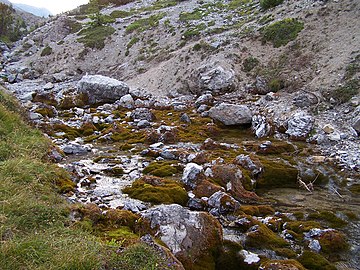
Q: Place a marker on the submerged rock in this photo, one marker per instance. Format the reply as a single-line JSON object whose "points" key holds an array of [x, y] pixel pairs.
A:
{"points": [[101, 89], [230, 114]]}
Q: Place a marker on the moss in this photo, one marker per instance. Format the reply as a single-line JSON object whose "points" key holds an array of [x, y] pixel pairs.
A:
{"points": [[263, 237], [277, 174], [194, 31], [123, 233], [328, 217], [257, 210], [121, 14], [229, 258], [266, 4], [355, 188], [333, 242], [115, 171], [46, 51], [127, 135], [314, 261], [282, 32], [282, 264], [298, 215], [69, 102], [161, 169], [276, 84], [157, 191], [300, 227], [95, 37], [345, 93], [197, 14], [285, 252], [45, 111]]}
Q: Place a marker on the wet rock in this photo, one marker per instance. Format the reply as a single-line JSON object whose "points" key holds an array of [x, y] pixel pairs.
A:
{"points": [[101, 89], [217, 80], [260, 126], [142, 114], [223, 203], [74, 148], [127, 102], [230, 114], [299, 125], [192, 174], [191, 236]]}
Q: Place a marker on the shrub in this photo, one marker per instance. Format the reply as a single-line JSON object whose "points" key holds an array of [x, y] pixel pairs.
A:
{"points": [[46, 51], [282, 32], [266, 4], [250, 63], [95, 37], [145, 23], [346, 92]]}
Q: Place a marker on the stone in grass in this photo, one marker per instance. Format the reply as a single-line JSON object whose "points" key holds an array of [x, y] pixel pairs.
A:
{"points": [[231, 114], [192, 174]]}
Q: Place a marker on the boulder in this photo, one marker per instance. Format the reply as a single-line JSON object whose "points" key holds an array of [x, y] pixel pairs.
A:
{"points": [[222, 203], [260, 126], [356, 125], [247, 163], [127, 102], [299, 125], [214, 79], [75, 149], [193, 237], [192, 174], [142, 114], [231, 114], [101, 89], [261, 86]]}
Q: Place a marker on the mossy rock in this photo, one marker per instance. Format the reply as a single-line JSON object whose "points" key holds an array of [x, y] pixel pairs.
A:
{"points": [[161, 169], [300, 227], [277, 174], [257, 210], [286, 252], [282, 265], [355, 189], [263, 237], [114, 171], [314, 261], [157, 191], [328, 217], [46, 51], [333, 242]]}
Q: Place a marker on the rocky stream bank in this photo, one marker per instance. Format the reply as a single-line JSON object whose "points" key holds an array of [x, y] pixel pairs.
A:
{"points": [[224, 181]]}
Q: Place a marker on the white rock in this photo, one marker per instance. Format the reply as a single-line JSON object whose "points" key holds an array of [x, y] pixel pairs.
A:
{"points": [[191, 174]]}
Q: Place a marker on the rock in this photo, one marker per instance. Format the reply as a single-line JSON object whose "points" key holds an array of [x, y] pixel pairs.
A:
{"points": [[193, 237], [246, 162], [356, 125], [299, 125], [48, 86], [192, 174], [304, 100], [143, 124], [249, 257], [185, 118], [101, 89], [202, 108], [260, 126], [11, 78], [35, 116], [206, 99], [223, 203], [217, 80], [75, 149], [142, 114], [127, 102], [328, 129], [230, 114], [314, 245], [261, 86]]}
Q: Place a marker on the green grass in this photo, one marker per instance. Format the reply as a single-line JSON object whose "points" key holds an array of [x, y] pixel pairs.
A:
{"points": [[282, 32], [94, 37], [144, 24], [35, 229], [266, 4], [121, 14]]}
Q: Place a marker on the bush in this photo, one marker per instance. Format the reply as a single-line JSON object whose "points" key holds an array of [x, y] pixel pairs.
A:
{"points": [[94, 37], [46, 51], [266, 4], [282, 32]]}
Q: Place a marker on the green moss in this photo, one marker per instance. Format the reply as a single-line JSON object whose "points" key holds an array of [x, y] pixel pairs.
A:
{"points": [[266, 4], [314, 261], [115, 171], [300, 227], [355, 188], [250, 63], [45, 111], [282, 264], [257, 210], [263, 237], [286, 252], [276, 84], [121, 14], [122, 233], [69, 102], [229, 258], [277, 174], [328, 217], [161, 169], [94, 37], [145, 23], [46, 51], [333, 242], [282, 32], [163, 191]]}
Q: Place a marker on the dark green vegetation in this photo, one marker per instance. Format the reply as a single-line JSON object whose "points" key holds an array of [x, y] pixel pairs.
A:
{"points": [[46, 51], [35, 230], [94, 37], [11, 26], [282, 32], [266, 4], [157, 191], [346, 92], [144, 24]]}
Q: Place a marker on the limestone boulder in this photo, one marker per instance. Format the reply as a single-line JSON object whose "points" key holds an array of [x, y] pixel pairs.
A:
{"points": [[231, 114]]}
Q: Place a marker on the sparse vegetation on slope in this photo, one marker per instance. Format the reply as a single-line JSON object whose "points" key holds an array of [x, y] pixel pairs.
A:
{"points": [[94, 37]]}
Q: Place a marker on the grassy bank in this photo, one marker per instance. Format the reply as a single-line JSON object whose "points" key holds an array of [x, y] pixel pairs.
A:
{"points": [[35, 229]]}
